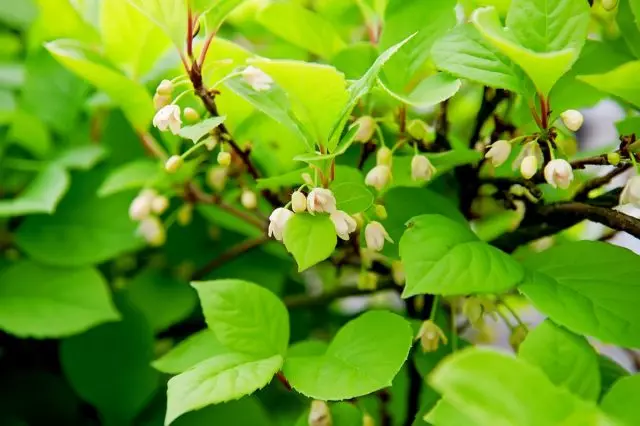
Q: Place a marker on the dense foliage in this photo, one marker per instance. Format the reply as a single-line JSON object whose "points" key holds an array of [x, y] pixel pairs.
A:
{"points": [[312, 212]]}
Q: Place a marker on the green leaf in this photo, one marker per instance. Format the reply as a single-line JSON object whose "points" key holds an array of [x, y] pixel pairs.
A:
{"points": [[133, 175], [621, 402], [493, 388], [291, 178], [445, 414], [197, 131], [544, 68], [301, 27], [245, 317], [163, 300], [169, 15], [310, 239], [132, 97], [40, 301], [463, 52], [109, 367], [567, 359], [610, 372], [84, 230], [364, 356], [352, 197], [191, 351], [620, 82], [589, 287], [247, 411], [216, 11], [81, 158], [443, 256], [628, 23], [431, 91], [219, 379], [41, 196], [131, 41]]}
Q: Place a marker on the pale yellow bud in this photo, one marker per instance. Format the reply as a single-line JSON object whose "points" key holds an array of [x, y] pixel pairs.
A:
{"points": [[319, 414], [397, 272], [224, 158], [430, 336], [366, 130], [159, 204], [191, 115], [420, 130], [529, 166], [185, 214], [384, 156], [161, 101], [173, 164], [381, 211], [248, 199], [367, 281], [613, 158], [367, 420], [306, 178], [217, 178], [165, 88], [572, 119], [298, 202], [609, 4]]}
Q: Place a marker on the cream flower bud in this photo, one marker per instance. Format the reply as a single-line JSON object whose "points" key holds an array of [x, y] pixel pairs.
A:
{"points": [[211, 142], [420, 130], [366, 130], [191, 115], [384, 156], [378, 177], [430, 336], [140, 207], [168, 118], [185, 214], [319, 414], [572, 119], [558, 173], [152, 230], [165, 88], [160, 101], [257, 78], [367, 420], [173, 164], [343, 223], [499, 152], [306, 178], [298, 202], [609, 5], [277, 222], [217, 178], [421, 168], [248, 199], [631, 192], [159, 204], [529, 166], [381, 211], [613, 158], [224, 158], [321, 200], [375, 234]]}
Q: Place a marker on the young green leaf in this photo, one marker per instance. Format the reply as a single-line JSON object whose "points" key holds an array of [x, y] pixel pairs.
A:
{"points": [[445, 414], [169, 15], [133, 175], [443, 256], [588, 287], [352, 197], [610, 373], [80, 158], [310, 239], [621, 402], [194, 349], [195, 132], [364, 356], [41, 196], [567, 359], [429, 92], [620, 82], [39, 301], [215, 12]]}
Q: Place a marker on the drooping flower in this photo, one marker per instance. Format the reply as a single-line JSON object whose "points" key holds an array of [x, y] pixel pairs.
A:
{"points": [[366, 130], [343, 223], [168, 118], [572, 119], [421, 168], [165, 88], [558, 173], [631, 192], [257, 79], [159, 204], [140, 207], [277, 222], [529, 166], [319, 414], [430, 336], [248, 199], [375, 234], [378, 177], [321, 200], [152, 231], [499, 152], [533, 155], [173, 164], [224, 158], [384, 156]]}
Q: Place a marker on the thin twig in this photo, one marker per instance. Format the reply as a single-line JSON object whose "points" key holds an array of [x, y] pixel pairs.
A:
{"points": [[230, 254], [152, 146], [602, 180]]}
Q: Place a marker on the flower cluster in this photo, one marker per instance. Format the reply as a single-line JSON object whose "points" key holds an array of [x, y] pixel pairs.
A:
{"points": [[145, 209]]}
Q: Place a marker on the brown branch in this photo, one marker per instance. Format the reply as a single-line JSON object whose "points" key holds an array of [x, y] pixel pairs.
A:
{"points": [[230, 254], [601, 180], [299, 301], [596, 160], [152, 146]]}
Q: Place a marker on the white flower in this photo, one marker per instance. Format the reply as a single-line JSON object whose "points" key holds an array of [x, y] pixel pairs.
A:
{"points": [[421, 168], [631, 192], [173, 164], [165, 88], [572, 119], [343, 223], [140, 207], [224, 158], [168, 117], [257, 78], [499, 152], [366, 129], [558, 173], [375, 234], [321, 200], [298, 202], [160, 101], [378, 177], [277, 222], [152, 230], [384, 156], [248, 199], [529, 166], [319, 414], [159, 204]]}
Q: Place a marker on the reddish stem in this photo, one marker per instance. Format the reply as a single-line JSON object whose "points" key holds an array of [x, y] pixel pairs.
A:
{"points": [[205, 48], [283, 380], [190, 34], [544, 112]]}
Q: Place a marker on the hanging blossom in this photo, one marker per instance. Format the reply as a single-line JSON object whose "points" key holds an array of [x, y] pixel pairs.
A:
{"points": [[499, 152], [631, 192], [558, 173], [343, 223], [528, 159], [378, 177], [375, 235], [277, 221], [168, 118], [422, 169], [321, 200]]}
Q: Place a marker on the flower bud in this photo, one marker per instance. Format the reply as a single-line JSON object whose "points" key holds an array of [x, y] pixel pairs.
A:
{"points": [[306, 178], [343, 224], [381, 211], [420, 130], [558, 173], [366, 130], [224, 158], [321, 200], [160, 101], [384, 156], [375, 234], [498, 153], [319, 414], [367, 420], [631, 192], [211, 142], [529, 166], [572, 119], [298, 202], [168, 118], [185, 214], [257, 78], [248, 199], [277, 222], [359, 218], [165, 88], [159, 204], [421, 168], [173, 164], [397, 272], [191, 115], [140, 207], [378, 177], [518, 334], [613, 158], [217, 178], [517, 190], [430, 336], [609, 5], [367, 281], [152, 231], [472, 308]]}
